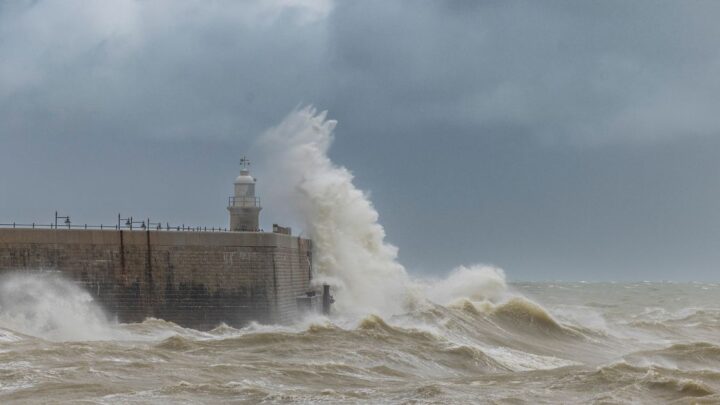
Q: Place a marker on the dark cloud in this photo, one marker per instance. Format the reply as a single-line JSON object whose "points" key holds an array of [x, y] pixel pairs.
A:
{"points": [[587, 72], [157, 69]]}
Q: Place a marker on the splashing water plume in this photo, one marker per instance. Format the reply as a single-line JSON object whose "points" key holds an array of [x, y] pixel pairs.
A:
{"points": [[350, 248], [351, 253], [46, 305]]}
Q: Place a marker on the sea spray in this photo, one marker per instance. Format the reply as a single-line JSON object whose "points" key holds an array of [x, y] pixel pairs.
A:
{"points": [[350, 248], [46, 305], [476, 283]]}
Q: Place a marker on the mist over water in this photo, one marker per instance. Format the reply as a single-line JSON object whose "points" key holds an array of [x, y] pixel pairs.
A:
{"points": [[470, 337]]}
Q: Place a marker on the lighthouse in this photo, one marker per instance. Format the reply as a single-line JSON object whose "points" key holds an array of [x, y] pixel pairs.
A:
{"points": [[244, 206]]}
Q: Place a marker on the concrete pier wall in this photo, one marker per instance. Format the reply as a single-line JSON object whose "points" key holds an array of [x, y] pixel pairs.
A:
{"points": [[195, 279]]}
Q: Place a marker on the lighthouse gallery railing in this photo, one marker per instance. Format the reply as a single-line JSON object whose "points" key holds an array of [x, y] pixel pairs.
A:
{"points": [[243, 202]]}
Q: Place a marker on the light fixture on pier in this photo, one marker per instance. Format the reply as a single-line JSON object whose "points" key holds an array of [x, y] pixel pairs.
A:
{"points": [[66, 218]]}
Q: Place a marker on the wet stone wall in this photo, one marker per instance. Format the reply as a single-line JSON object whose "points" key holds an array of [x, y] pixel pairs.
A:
{"points": [[195, 279]]}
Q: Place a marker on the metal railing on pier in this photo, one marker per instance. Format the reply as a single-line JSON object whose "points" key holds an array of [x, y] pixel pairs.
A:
{"points": [[141, 227]]}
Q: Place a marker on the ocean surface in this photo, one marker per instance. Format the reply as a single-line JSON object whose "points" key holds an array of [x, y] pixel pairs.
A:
{"points": [[538, 343]]}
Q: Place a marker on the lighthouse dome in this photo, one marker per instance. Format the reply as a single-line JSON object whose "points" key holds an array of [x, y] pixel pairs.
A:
{"points": [[244, 178]]}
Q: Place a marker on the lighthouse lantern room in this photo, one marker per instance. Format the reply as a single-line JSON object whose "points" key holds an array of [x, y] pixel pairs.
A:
{"points": [[244, 206]]}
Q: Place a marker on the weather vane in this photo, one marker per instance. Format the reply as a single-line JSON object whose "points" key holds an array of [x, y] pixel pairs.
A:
{"points": [[245, 162]]}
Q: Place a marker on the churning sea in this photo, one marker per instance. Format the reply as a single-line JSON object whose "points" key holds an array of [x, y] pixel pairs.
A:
{"points": [[605, 343]]}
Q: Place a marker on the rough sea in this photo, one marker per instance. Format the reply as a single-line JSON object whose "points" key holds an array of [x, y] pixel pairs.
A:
{"points": [[468, 338], [602, 343]]}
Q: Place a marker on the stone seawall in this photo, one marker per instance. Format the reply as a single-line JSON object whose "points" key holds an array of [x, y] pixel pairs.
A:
{"points": [[195, 279]]}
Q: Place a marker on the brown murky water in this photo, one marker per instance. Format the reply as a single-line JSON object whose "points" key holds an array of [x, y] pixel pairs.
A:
{"points": [[543, 343]]}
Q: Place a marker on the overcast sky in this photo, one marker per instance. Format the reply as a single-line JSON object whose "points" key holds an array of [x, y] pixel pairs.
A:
{"points": [[558, 140]]}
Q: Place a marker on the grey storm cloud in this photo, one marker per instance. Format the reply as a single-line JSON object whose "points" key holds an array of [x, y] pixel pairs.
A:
{"points": [[579, 72], [159, 69], [591, 71]]}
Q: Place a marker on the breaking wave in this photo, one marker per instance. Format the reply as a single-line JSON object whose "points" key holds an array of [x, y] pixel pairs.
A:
{"points": [[47, 305], [350, 249], [433, 352], [451, 353], [351, 253]]}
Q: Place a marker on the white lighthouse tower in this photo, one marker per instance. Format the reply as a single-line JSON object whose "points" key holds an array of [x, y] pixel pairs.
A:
{"points": [[244, 207]]}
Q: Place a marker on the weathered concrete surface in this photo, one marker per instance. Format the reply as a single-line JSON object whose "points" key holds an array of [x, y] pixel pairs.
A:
{"points": [[195, 279]]}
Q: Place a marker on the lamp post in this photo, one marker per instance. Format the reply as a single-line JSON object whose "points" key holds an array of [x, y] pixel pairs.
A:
{"points": [[129, 222], [66, 218], [157, 225], [120, 219]]}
